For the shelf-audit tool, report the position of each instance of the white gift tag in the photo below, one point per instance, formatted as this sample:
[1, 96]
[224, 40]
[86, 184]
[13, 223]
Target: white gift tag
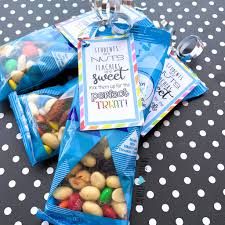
[108, 83]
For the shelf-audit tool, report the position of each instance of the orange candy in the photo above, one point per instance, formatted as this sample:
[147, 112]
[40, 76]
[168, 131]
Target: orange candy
[64, 204]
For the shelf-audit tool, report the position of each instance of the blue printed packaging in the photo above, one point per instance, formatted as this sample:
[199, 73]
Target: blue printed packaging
[33, 59]
[93, 182]
[41, 116]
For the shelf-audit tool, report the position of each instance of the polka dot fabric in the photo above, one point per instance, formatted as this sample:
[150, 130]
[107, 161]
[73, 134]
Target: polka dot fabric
[182, 160]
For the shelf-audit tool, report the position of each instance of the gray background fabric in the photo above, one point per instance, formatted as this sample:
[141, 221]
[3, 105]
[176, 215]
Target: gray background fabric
[182, 159]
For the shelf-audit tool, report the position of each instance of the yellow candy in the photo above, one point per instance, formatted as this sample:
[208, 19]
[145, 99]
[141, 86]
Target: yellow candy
[12, 84]
[54, 125]
[48, 149]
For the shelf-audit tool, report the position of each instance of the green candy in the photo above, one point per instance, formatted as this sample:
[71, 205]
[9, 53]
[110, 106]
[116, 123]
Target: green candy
[10, 65]
[106, 195]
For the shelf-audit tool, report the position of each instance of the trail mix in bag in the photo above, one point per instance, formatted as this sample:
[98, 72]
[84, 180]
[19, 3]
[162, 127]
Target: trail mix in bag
[34, 59]
[41, 117]
[93, 182]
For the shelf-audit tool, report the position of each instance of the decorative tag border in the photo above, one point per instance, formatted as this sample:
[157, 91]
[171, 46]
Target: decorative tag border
[140, 120]
[158, 117]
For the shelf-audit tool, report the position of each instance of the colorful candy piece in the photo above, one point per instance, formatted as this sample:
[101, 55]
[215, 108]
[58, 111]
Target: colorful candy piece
[12, 84]
[48, 149]
[106, 196]
[75, 202]
[109, 212]
[64, 204]
[54, 125]
[30, 50]
[10, 65]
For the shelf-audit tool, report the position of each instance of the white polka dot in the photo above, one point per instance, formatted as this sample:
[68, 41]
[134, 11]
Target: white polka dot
[46, 196]
[207, 155]
[198, 112]
[7, 211]
[139, 208]
[152, 221]
[191, 207]
[220, 167]
[218, 67]
[176, 193]
[222, 44]
[188, 123]
[211, 3]
[12, 183]
[215, 144]
[210, 36]
[211, 75]
[33, 210]
[37, 183]
[183, 156]
[165, 208]
[207, 59]
[1, 115]
[202, 133]
[162, 181]
[22, 197]
[222, 84]
[74, 5]
[177, 3]
[185, 103]
[198, 67]
[201, 193]
[180, 133]
[187, 180]
[157, 134]
[2, 171]
[196, 168]
[179, 16]
[192, 144]
[179, 221]
[5, 147]
[212, 180]
[169, 144]
[16, 159]
[177, 113]
[18, 223]
[172, 168]
[9, 125]
[50, 170]
[160, 3]
[189, 23]
[217, 206]
[207, 23]
[166, 123]
[148, 169]
[145, 145]
[206, 102]
[223, 132]
[206, 221]
[211, 122]
[18, 136]
[25, 171]
[45, 223]
[159, 156]
[150, 194]
[214, 16]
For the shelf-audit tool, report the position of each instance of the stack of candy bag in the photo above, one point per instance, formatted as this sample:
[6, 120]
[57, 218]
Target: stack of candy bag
[94, 178]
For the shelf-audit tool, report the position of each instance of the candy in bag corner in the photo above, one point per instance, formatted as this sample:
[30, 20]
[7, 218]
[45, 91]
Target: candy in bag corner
[94, 179]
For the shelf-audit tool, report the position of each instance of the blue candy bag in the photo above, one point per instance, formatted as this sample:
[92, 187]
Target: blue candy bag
[93, 182]
[34, 59]
[41, 117]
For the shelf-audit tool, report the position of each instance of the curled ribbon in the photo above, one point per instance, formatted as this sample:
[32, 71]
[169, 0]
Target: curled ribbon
[108, 13]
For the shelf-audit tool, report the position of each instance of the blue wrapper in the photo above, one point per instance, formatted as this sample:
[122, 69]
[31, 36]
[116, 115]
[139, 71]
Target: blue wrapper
[34, 59]
[41, 127]
[108, 152]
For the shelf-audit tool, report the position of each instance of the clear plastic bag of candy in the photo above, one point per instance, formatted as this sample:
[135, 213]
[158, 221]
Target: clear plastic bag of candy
[41, 116]
[94, 179]
[33, 59]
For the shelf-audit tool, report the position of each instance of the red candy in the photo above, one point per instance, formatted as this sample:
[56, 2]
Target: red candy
[30, 49]
[109, 212]
[75, 202]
